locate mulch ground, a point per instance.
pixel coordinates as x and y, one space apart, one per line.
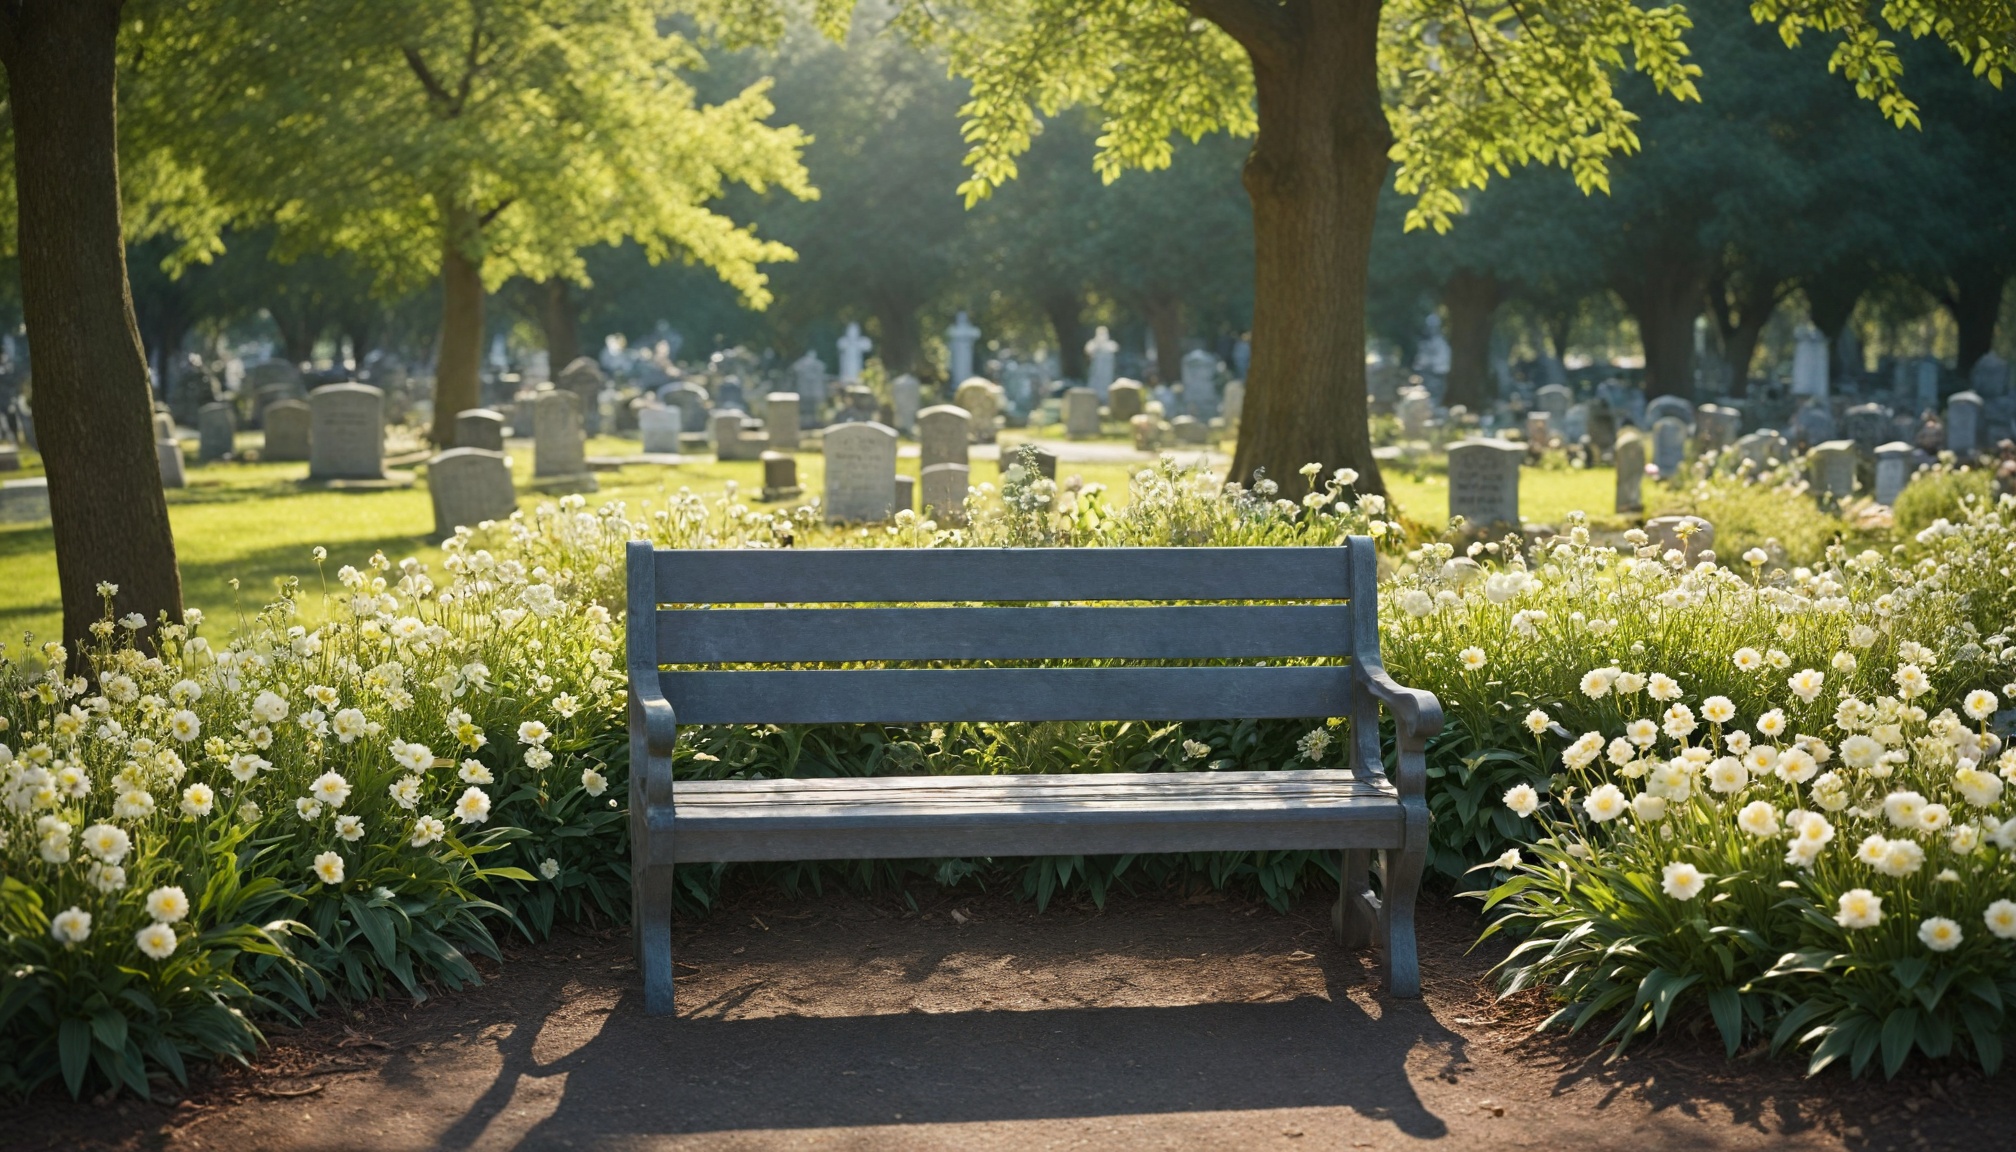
974 1022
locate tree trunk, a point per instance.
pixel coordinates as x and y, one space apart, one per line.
298 330
1558 327
561 321
1665 298
900 346
1314 177
1472 299
93 408
1064 308
1740 307
1165 319
457 372
1975 300
1830 301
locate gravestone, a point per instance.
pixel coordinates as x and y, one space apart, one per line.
1893 470
943 431
1081 414
1925 384
271 394
583 378
660 429
24 501
780 417
853 352
559 447
1814 424
906 493
1809 363
1125 400
1100 353
346 433
860 472
480 428
1627 401
1234 405
905 393
780 476
1665 534
1663 406
168 456
1415 408
1190 430
10 458
691 401
1630 455
1717 426
1866 424
469 486
981 398
960 338
1669 446
1990 376
1382 385
1484 481
1554 399
1147 432
735 438
191 387
943 490
1963 424
216 429
1575 424
1029 455
808 373
1539 428
287 435
164 426
1602 427
1833 468
1764 447
728 394
1432 356
1200 380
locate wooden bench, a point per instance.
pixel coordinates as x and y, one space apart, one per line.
1356 809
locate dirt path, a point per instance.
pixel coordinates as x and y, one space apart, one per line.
841 1024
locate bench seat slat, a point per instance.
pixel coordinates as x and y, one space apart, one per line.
822 635
896 817
867 575
904 696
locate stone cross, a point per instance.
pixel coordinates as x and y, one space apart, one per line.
961 337
346 433
1833 465
1126 399
905 393
1081 414
1484 481
479 428
1669 446
780 416
469 486
943 488
287 423
1630 455
1100 352
217 430
853 352
1893 470
1963 424
943 431
559 446
660 428
860 472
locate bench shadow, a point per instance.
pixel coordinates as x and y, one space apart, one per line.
641 1076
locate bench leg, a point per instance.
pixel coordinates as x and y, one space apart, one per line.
1401 872
1353 920
651 920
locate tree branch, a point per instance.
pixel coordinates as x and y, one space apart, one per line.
1262 27
484 220
434 90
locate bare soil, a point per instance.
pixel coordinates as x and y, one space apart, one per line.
976 1023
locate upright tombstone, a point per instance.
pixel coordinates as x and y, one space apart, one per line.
1081 414
1415 408
853 353
1555 400
1893 470
480 428
1717 426
1147 431
24 501
1765 448
1669 446
1866 424
164 426
943 431
693 405
216 430
1809 363
734 439
1126 399
1963 424
905 393
981 398
583 377
559 444
1667 536
1234 405
1813 424
469 486
1990 376
1925 385
1200 382
1190 430
960 338
808 374
1100 352
346 433
1663 406
728 394
780 476
780 416
943 490
905 493
1484 481
860 472
1575 424
1602 426
1539 428
660 429
1630 456
168 456
1042 459
1833 465
287 431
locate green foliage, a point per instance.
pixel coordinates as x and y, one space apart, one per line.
1942 492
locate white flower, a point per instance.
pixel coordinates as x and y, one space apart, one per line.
198 800
1911 681
1682 881
270 707
167 905
1981 789
1472 658
1605 803
1596 682
592 782
1195 750
473 772
1901 858
1537 721
1806 684
1902 808
350 828
157 941
1416 602
549 868
1756 557
1679 721
1933 817
1861 636
412 757
1628 683
473 807
1859 751
1511 860
1845 663
426 830
1736 740
1662 687
1939 934
1641 732
1758 818
405 792
244 766
73 924
2001 918
1747 659
133 804
308 808
328 868
1522 799
533 732
1621 752
1795 766
1648 808
1718 710
184 726
1859 908
331 789
1314 744
108 842
348 725
538 759
1980 705
1728 776
1772 724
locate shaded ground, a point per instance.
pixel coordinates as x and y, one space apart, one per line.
849 1024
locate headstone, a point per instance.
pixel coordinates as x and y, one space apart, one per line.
1848 358
943 489
735 439
217 431
469 486
1717 426
1234 405
1539 428
24 501
1042 459
1990 376
780 417
808 373
480 428
10 458
961 337
168 455
660 428
1833 465
1190 430
583 377
853 352
1665 534
1669 446
1415 408
1126 399
1893 470
728 394
559 448
164 426
346 433
1431 356
860 471
906 392
981 398
1484 481
1866 424
1925 385
1661 407
1575 424
1627 402
780 476
1555 399
1963 424
1100 353
943 431
694 408
1809 363
1147 432
1602 427
287 431
1200 380
1081 414
906 493
1382 384
1765 448
1813 424
1630 455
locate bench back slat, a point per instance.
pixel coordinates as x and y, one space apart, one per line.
906 696
868 575
831 635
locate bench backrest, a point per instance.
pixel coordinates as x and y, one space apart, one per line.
1338 618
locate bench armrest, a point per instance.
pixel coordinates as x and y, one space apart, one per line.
1417 715
654 729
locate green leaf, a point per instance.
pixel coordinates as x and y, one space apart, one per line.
376 925
1727 1005
1986 1034
108 1025
73 1049
1900 1034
